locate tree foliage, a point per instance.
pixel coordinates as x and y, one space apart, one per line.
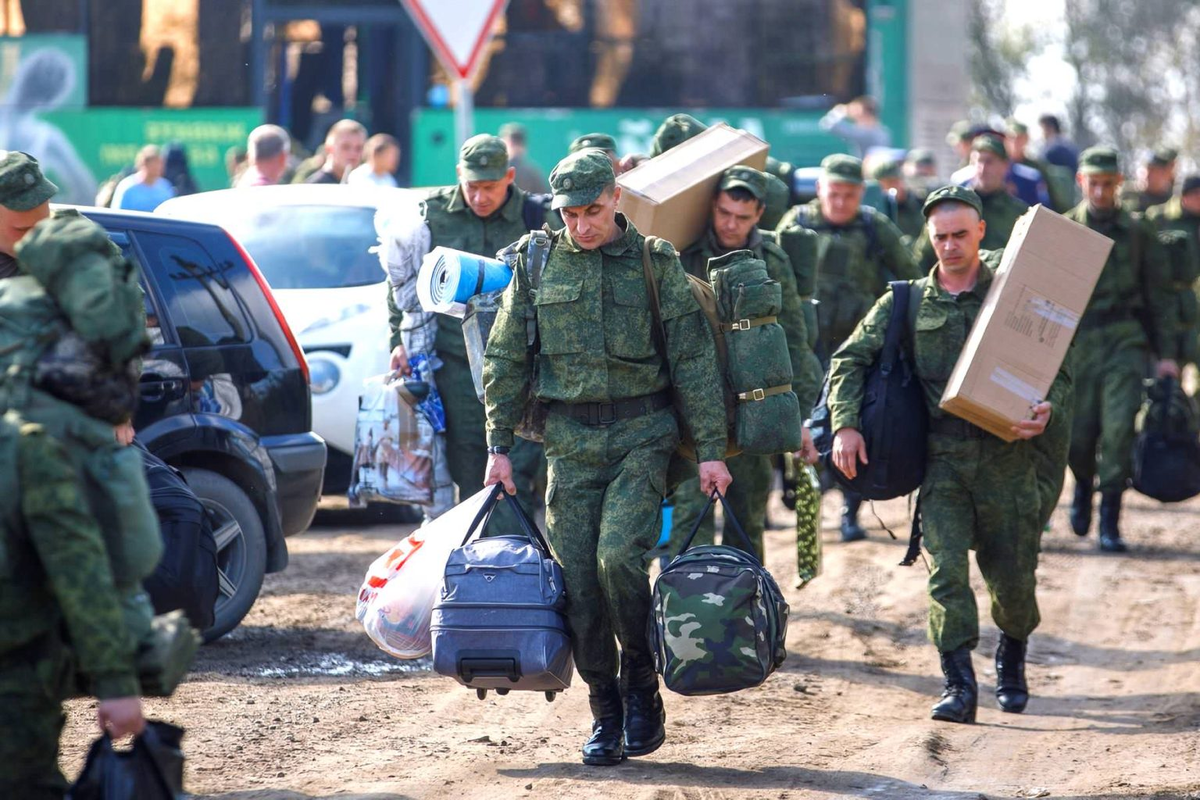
999 56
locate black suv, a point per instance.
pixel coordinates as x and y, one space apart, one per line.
224 396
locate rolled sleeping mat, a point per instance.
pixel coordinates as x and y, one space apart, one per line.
449 278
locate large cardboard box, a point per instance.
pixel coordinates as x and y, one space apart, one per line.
1028 319
670 195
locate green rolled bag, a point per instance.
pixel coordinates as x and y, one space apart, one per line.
801 246
758 368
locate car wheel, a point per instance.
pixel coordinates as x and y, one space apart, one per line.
241 547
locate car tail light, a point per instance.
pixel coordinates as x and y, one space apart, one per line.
266 290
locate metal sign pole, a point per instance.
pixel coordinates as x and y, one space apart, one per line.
464 111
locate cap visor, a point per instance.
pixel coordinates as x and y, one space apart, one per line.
470 173
733 184
575 199
33 197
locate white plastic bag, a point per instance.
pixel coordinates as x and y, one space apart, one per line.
395 603
395 447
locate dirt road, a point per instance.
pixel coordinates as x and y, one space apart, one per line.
297 703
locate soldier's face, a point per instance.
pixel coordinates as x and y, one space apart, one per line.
1101 189
1015 144
840 201
1191 202
15 224
991 171
733 220
594 225
956 231
893 184
485 197
346 151
1160 179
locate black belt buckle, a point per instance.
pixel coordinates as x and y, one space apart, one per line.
602 418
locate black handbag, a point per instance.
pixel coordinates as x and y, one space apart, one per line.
151 770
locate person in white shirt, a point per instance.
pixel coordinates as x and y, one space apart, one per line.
379 166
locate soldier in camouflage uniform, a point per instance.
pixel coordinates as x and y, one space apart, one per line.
900 205
481 214
736 210
980 492
1180 216
1133 312
861 250
610 431
1060 183
1158 181
600 141
1000 209
24 202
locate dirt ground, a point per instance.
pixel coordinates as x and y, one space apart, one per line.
297 703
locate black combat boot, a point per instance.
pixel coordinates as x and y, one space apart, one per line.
851 530
645 718
1110 516
961 694
1012 693
606 746
1081 508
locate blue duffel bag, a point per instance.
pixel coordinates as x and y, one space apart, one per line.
498 623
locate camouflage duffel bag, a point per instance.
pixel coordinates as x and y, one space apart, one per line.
718 621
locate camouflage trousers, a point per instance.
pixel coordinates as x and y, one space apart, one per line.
747 497
31 721
981 495
1050 452
466 441
1110 364
606 485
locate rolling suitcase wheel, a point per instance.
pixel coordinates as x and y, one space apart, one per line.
502 692
481 694
549 697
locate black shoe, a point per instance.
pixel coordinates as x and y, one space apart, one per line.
645 718
1012 693
1081 508
851 530
1110 517
606 746
961 695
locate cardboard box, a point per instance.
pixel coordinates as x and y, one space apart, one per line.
1027 322
670 196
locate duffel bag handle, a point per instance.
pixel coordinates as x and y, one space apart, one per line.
729 518
485 513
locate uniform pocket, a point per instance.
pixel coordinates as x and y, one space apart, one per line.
560 319
935 355
627 324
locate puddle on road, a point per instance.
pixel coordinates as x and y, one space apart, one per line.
331 665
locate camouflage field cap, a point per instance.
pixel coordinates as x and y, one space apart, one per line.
23 187
1014 127
952 194
676 129
958 131
885 170
601 141
580 178
922 156
841 168
747 178
989 143
1100 160
483 158
1163 157
1190 183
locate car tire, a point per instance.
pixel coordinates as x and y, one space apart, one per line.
241 547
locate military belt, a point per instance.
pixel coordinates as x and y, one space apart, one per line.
746 324
1093 320
763 394
600 414
956 428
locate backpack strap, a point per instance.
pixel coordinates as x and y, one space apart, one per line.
660 332
897 326
536 255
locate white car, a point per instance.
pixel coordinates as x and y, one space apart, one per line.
313 243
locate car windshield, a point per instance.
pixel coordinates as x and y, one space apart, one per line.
310 247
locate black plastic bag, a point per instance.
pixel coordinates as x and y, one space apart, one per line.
151 770
1166 455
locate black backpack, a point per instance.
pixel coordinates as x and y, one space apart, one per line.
1166 456
893 419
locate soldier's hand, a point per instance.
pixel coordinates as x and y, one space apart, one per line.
849 448
124 434
808 451
499 470
400 361
1168 368
1029 428
120 716
714 475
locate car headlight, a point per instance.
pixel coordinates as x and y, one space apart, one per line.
324 375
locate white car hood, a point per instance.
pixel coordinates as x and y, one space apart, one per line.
311 313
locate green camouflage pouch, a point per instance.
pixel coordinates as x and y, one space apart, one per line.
166 655
808 522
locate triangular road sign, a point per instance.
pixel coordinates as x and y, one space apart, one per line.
456 30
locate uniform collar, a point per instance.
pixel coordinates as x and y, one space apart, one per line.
934 289
510 211
618 247
709 243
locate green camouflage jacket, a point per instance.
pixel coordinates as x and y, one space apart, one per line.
54 568
942 325
1136 278
1000 211
596 340
856 263
1170 216
453 224
806 369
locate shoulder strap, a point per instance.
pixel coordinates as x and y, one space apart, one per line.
660 333
916 290
897 323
